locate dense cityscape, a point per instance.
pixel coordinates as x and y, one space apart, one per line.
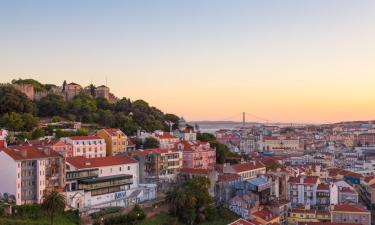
195 112
126 172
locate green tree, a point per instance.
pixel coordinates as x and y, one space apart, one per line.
105 117
29 121
52 105
56 119
206 137
103 103
53 202
36 84
38 133
83 107
189 201
222 152
151 142
12 100
125 123
12 121
82 132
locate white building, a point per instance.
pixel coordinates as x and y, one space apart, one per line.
87 146
302 190
94 183
27 173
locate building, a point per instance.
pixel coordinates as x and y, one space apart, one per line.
27 89
71 90
247 170
347 213
323 195
95 183
158 164
226 186
366 139
271 143
86 146
241 207
197 154
265 217
58 146
166 139
116 141
302 216
102 92
280 208
302 190
30 172
243 222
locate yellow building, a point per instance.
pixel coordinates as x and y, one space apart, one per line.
116 141
298 216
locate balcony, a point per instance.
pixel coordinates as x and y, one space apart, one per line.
82 174
105 182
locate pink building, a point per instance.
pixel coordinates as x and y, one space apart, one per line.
197 154
86 146
58 146
166 139
366 139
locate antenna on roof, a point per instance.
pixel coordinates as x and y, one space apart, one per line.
106 81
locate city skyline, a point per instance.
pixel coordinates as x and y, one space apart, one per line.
289 61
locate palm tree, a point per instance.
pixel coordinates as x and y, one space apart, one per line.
53 202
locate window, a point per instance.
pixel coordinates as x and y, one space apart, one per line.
128 167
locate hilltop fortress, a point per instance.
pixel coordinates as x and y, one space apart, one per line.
67 90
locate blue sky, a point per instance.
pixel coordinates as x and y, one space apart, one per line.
203 59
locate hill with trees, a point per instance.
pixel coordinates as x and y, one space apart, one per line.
124 114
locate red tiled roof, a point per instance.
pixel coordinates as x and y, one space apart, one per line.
81 162
242 222
368 178
112 131
349 208
310 180
83 138
30 152
265 214
347 190
164 135
242 167
228 177
323 186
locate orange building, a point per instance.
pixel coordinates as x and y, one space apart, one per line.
116 141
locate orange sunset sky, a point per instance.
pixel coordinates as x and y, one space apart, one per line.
287 61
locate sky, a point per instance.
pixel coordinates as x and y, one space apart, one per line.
301 61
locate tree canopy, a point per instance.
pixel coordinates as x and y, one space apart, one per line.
51 105
223 154
124 114
189 201
13 100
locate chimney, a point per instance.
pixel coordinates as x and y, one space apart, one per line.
47 151
23 153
